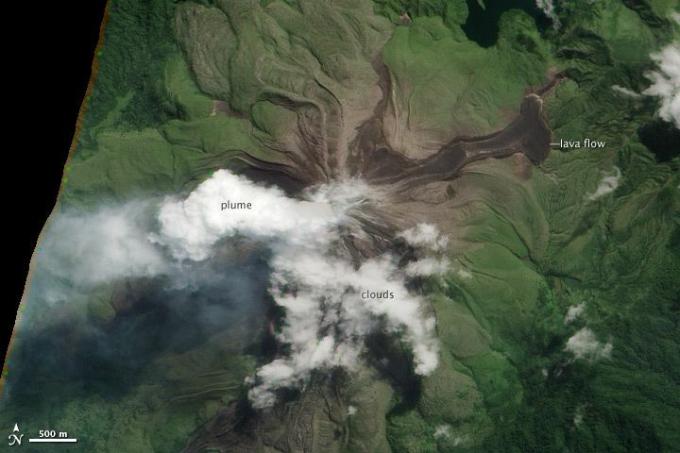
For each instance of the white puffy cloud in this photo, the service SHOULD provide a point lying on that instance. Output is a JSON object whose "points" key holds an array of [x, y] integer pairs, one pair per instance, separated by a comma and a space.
{"points": [[331, 310], [442, 431], [666, 82], [425, 235], [585, 345], [427, 266], [574, 312], [608, 184], [430, 247], [548, 8]]}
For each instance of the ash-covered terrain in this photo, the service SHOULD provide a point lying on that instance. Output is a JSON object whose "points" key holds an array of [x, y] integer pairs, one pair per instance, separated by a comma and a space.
{"points": [[364, 226]]}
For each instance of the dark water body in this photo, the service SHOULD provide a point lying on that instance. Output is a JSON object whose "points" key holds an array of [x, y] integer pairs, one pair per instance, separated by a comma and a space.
{"points": [[482, 23]]}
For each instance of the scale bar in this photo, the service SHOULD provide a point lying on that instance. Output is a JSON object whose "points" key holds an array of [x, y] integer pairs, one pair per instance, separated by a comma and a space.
{"points": [[55, 441]]}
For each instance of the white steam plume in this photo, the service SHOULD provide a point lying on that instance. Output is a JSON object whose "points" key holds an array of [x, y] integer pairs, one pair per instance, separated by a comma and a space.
{"points": [[191, 227], [103, 246]]}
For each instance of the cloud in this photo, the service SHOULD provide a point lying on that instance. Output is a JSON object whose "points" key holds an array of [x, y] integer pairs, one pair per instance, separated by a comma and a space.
{"points": [[608, 184], [331, 309], [574, 312], [464, 274], [101, 292], [109, 244], [191, 227], [548, 8], [427, 266], [626, 92], [579, 414], [425, 235], [430, 248], [331, 303], [442, 431], [666, 82], [584, 345]]}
